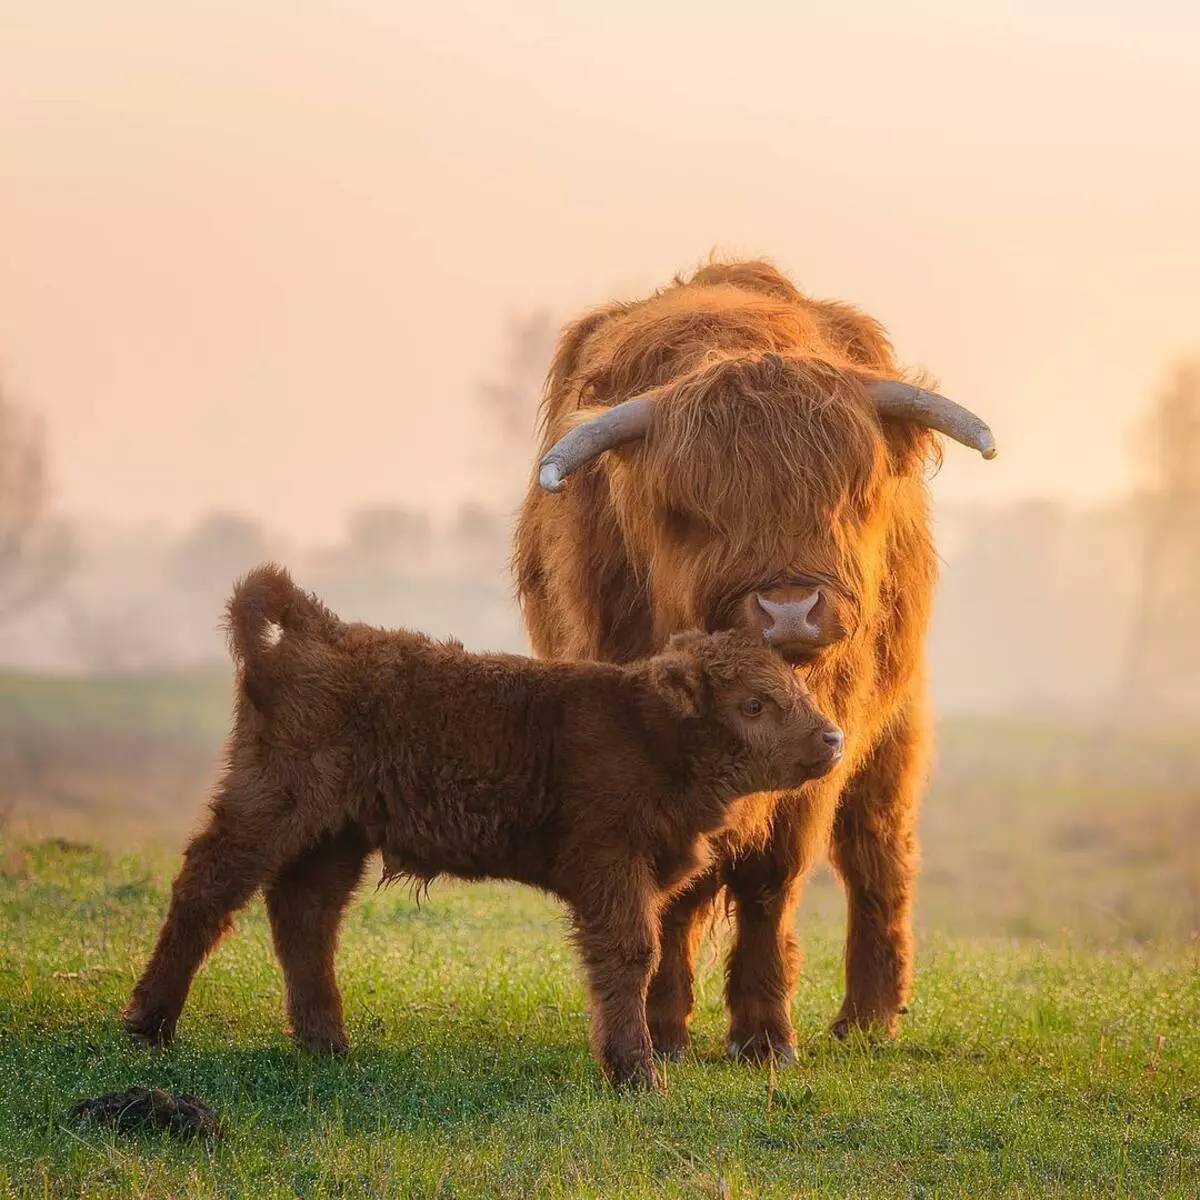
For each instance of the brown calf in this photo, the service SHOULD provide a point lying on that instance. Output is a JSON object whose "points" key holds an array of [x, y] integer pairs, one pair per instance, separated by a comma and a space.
{"points": [[601, 784]]}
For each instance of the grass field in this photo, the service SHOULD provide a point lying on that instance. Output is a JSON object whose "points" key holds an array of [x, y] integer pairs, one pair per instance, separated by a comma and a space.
{"points": [[1053, 1047], [1021, 1070]]}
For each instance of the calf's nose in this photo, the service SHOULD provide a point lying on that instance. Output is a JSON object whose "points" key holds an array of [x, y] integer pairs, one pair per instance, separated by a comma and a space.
{"points": [[835, 740]]}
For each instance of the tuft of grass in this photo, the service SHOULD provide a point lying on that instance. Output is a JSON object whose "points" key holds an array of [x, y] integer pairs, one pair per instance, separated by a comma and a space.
{"points": [[1022, 1069]]}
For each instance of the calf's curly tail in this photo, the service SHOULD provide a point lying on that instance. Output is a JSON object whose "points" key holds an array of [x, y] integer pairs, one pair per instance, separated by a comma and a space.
{"points": [[263, 601]]}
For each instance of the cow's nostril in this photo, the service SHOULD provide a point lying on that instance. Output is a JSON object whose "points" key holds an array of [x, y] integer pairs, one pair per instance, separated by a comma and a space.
{"points": [[835, 740]]}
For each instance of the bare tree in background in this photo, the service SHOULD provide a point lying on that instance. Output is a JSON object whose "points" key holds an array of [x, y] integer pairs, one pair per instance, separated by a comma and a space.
{"points": [[479, 542], [384, 546], [511, 399], [117, 638], [34, 552], [203, 565], [390, 536], [219, 548], [1164, 652]]}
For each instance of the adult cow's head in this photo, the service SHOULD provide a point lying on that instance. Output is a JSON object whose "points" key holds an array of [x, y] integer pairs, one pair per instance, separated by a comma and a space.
{"points": [[759, 491]]}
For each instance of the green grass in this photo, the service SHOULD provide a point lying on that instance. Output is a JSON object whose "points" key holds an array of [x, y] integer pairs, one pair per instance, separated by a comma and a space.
{"points": [[1022, 1070], [190, 704], [1060, 875]]}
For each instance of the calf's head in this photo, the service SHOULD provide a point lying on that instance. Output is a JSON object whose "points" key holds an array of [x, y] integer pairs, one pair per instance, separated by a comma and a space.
{"points": [[747, 713]]}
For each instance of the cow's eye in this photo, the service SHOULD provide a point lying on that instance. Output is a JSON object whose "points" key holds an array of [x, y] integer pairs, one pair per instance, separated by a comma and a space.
{"points": [[752, 707]]}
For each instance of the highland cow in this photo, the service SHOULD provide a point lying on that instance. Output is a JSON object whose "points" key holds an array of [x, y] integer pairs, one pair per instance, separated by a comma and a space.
{"points": [[603, 785], [733, 454]]}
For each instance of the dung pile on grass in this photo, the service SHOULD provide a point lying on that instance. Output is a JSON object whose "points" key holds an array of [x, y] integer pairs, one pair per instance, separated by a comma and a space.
{"points": [[136, 1109]]}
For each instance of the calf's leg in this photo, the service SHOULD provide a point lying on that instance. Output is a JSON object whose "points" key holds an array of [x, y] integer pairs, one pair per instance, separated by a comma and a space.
{"points": [[305, 902], [617, 935], [223, 867]]}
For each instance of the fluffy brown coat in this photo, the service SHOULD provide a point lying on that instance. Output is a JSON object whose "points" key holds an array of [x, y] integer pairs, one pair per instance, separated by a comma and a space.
{"points": [[764, 464], [601, 784]]}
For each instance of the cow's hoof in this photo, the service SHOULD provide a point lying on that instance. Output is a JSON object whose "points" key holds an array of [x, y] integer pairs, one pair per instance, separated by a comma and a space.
{"points": [[760, 1049], [671, 1044], [324, 1045], [880, 1027]]}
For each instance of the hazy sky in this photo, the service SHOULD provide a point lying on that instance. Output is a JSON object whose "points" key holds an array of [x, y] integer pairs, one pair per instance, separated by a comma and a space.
{"points": [[256, 255]]}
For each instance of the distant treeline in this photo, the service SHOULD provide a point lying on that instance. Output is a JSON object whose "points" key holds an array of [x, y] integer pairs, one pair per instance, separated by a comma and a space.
{"points": [[1037, 607], [139, 601], [1041, 606]]}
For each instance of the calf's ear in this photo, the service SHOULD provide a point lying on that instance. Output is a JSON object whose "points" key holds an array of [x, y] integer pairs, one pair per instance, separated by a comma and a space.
{"points": [[680, 683]]}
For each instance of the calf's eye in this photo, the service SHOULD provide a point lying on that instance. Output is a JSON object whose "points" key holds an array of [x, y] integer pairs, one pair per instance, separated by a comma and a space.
{"points": [[752, 707]]}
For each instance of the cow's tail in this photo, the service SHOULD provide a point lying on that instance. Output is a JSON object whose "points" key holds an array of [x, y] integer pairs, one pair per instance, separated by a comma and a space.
{"points": [[265, 609]]}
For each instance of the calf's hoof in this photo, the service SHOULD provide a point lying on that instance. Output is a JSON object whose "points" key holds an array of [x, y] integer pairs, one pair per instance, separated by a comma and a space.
{"points": [[636, 1076], [760, 1049], [151, 1026]]}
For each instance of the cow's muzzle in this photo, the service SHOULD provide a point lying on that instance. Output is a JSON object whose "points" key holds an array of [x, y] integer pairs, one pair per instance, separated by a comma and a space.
{"points": [[797, 620]]}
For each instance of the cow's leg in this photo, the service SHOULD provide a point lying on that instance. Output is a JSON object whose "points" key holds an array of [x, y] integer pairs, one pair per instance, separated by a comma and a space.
{"points": [[766, 955], [874, 850], [617, 935], [305, 903], [223, 867], [672, 994]]}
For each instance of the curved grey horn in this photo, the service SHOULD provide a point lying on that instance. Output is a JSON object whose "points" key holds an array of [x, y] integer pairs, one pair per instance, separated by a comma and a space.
{"points": [[895, 399], [791, 619], [613, 427]]}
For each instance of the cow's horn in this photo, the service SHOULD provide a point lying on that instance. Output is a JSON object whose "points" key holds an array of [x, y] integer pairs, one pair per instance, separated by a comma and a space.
{"points": [[895, 399], [613, 427]]}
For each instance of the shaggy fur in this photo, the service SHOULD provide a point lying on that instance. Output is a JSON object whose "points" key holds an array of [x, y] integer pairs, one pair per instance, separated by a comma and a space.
{"points": [[764, 464], [601, 784]]}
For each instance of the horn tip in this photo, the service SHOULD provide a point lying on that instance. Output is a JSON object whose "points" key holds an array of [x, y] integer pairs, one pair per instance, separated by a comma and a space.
{"points": [[550, 477]]}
